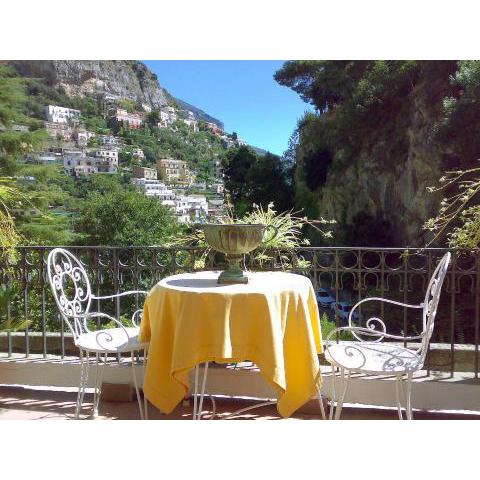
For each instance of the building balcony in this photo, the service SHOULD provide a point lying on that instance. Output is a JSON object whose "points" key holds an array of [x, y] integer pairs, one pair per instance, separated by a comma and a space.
{"points": [[39, 366]]}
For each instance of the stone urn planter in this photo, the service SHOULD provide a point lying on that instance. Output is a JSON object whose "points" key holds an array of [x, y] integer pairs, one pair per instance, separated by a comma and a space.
{"points": [[234, 240]]}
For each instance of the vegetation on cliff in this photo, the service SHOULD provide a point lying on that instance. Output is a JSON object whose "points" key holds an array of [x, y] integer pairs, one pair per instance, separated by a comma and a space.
{"points": [[404, 122]]}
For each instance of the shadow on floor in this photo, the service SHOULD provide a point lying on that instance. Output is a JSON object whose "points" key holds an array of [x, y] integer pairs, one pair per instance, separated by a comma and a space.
{"points": [[20, 403]]}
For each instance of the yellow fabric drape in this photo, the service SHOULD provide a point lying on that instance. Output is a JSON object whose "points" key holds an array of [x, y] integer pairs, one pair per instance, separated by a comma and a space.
{"points": [[272, 321]]}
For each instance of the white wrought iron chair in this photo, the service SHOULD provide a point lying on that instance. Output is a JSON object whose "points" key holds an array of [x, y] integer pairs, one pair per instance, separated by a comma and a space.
{"points": [[73, 295], [374, 357]]}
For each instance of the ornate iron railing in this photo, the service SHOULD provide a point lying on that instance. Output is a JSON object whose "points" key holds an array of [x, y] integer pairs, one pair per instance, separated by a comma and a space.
{"points": [[348, 274]]}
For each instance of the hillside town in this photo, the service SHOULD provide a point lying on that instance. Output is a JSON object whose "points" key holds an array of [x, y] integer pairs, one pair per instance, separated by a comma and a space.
{"points": [[172, 181]]}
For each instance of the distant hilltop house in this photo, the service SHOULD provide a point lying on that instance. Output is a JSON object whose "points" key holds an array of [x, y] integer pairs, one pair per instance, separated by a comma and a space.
{"points": [[56, 114], [191, 208], [214, 128], [77, 162], [109, 140], [175, 171], [145, 172], [193, 124], [82, 136], [59, 131], [227, 141], [106, 160], [132, 120], [138, 153], [168, 115], [154, 188]]}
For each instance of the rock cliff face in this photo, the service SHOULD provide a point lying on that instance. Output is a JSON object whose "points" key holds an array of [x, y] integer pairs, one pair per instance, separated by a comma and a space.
{"points": [[125, 79], [129, 79], [389, 191]]}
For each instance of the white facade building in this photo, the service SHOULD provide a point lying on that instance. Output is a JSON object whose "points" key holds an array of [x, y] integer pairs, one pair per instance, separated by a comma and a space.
{"points": [[109, 141], [138, 153], [193, 124], [57, 114], [82, 136], [191, 208], [154, 188], [108, 154], [168, 115]]}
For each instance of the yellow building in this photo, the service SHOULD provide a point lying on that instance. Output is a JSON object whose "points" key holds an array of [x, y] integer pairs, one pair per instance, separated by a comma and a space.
{"points": [[174, 171]]}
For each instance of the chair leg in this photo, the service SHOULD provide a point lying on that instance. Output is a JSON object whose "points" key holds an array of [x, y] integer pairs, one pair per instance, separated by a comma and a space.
{"points": [[202, 392], [397, 395], [408, 394], [320, 402], [84, 366], [334, 393], [98, 382], [136, 386], [345, 382]]}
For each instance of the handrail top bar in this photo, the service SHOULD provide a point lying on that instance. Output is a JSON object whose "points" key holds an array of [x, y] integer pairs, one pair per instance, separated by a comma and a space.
{"points": [[190, 247]]}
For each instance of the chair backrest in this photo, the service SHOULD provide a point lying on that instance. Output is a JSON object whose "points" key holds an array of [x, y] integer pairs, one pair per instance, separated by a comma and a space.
{"points": [[71, 289], [432, 297]]}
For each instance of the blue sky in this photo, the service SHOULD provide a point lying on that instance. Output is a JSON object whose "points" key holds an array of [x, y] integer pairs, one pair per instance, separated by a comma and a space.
{"points": [[240, 93]]}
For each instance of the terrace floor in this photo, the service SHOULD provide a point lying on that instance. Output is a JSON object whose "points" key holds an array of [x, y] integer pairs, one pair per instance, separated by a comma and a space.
{"points": [[20, 403]]}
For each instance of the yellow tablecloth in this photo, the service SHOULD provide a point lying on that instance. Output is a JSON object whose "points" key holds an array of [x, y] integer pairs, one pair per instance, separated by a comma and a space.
{"points": [[272, 321]]}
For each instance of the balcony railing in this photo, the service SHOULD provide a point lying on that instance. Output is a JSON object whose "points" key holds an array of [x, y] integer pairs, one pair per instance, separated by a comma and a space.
{"points": [[347, 273]]}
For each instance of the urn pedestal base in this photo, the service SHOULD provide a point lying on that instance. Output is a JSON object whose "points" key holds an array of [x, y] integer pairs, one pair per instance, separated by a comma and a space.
{"points": [[233, 274]]}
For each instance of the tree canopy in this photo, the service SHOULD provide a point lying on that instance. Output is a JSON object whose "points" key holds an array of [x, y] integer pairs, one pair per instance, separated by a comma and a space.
{"points": [[125, 217], [366, 109], [257, 179]]}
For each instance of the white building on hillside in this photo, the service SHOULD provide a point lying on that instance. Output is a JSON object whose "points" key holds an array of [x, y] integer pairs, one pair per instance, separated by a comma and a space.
{"points": [[132, 120], [191, 208], [193, 124], [82, 136], [58, 114], [168, 115], [109, 141], [154, 188], [138, 153], [108, 154]]}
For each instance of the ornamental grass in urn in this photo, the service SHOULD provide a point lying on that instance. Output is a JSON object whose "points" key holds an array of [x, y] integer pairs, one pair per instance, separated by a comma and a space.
{"points": [[235, 240], [264, 233]]}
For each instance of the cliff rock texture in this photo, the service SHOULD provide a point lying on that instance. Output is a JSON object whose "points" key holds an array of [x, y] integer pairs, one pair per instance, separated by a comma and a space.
{"points": [[383, 190], [126, 79], [121, 78]]}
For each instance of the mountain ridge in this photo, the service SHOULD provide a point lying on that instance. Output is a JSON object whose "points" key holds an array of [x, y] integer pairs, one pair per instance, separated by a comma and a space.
{"points": [[126, 79]]}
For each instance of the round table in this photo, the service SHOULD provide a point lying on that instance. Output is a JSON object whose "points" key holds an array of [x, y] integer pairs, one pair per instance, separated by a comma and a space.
{"points": [[273, 321]]}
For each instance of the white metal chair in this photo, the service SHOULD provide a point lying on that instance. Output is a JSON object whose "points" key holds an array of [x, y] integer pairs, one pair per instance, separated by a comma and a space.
{"points": [[73, 295], [375, 357]]}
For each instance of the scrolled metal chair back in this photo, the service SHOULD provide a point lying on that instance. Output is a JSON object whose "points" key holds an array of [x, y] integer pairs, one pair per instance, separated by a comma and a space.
{"points": [[432, 298], [71, 289]]}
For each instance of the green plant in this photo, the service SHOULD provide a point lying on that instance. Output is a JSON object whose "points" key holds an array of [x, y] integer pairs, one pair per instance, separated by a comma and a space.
{"points": [[459, 214], [7, 292], [328, 326], [288, 226]]}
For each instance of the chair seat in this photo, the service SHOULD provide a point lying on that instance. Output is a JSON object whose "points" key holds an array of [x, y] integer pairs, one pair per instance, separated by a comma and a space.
{"points": [[375, 358], [111, 340]]}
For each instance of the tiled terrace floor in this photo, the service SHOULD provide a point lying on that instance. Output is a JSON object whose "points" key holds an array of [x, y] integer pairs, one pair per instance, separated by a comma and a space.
{"points": [[19, 403]]}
